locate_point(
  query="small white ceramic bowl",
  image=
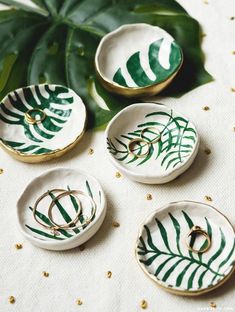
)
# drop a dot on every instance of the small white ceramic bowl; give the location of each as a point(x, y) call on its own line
point(137, 60)
point(168, 158)
point(162, 252)
point(60, 178)
point(40, 122)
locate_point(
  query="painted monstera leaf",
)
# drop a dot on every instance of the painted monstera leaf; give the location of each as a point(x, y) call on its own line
point(163, 254)
point(56, 43)
point(162, 72)
point(177, 142)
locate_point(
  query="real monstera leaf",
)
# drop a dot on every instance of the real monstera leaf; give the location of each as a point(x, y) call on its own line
point(56, 43)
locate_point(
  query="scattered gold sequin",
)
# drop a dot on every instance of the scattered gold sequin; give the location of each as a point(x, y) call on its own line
point(232, 18)
point(206, 108)
point(11, 299)
point(149, 197)
point(79, 302)
point(234, 129)
point(46, 274)
point(213, 305)
point(82, 247)
point(1, 171)
point(109, 274)
point(91, 151)
point(18, 246)
point(233, 89)
point(118, 175)
point(144, 304)
point(206, 2)
point(208, 198)
point(115, 224)
point(207, 151)
point(233, 52)
point(203, 35)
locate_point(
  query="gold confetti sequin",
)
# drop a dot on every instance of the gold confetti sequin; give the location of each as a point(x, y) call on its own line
point(234, 129)
point(207, 151)
point(79, 302)
point(233, 89)
point(233, 52)
point(213, 305)
point(109, 274)
point(208, 198)
point(18, 246)
point(118, 174)
point(11, 299)
point(203, 35)
point(206, 108)
point(206, 2)
point(46, 274)
point(115, 224)
point(144, 304)
point(91, 151)
point(1, 171)
point(149, 197)
point(232, 18)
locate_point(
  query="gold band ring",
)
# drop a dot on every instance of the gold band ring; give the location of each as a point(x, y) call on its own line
point(32, 120)
point(138, 140)
point(193, 232)
point(52, 227)
point(151, 141)
point(78, 215)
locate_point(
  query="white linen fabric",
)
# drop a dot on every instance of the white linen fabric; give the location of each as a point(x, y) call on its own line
point(82, 274)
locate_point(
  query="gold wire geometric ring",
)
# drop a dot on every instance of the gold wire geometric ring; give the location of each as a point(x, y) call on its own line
point(33, 121)
point(139, 140)
point(198, 230)
point(154, 140)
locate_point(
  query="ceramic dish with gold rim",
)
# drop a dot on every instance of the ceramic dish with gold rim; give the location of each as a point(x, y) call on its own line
point(40, 122)
point(137, 60)
point(151, 143)
point(163, 254)
point(64, 209)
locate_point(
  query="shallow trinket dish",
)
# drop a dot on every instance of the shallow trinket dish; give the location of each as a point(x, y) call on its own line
point(64, 209)
point(40, 122)
point(163, 254)
point(137, 60)
point(160, 161)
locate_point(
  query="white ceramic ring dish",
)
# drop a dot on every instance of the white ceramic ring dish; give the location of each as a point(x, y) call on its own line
point(162, 253)
point(137, 60)
point(64, 211)
point(41, 122)
point(167, 158)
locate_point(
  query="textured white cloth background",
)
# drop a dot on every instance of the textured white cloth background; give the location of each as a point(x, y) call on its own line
point(75, 274)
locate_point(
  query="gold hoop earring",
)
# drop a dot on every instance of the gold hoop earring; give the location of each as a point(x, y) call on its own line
point(138, 140)
point(198, 230)
point(32, 120)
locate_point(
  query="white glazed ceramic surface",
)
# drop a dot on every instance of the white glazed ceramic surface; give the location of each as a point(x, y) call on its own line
point(137, 56)
point(163, 255)
point(64, 123)
point(168, 158)
point(60, 178)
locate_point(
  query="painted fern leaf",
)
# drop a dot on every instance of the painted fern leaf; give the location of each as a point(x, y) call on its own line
point(177, 141)
point(160, 71)
point(170, 262)
point(56, 103)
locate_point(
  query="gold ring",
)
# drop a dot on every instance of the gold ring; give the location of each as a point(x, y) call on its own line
point(138, 140)
point(154, 140)
point(193, 232)
point(32, 120)
point(52, 227)
point(67, 225)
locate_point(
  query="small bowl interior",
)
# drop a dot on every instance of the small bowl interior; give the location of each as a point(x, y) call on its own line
point(64, 122)
point(171, 152)
point(65, 209)
point(138, 55)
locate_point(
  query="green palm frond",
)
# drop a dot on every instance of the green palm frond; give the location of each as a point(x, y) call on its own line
point(41, 98)
point(64, 233)
point(176, 144)
point(188, 269)
point(138, 74)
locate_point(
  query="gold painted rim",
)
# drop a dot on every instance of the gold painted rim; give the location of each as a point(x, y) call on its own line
point(176, 291)
point(149, 90)
point(33, 158)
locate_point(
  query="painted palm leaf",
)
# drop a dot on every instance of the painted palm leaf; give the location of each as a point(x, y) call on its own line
point(177, 141)
point(56, 102)
point(42, 233)
point(173, 265)
point(139, 76)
